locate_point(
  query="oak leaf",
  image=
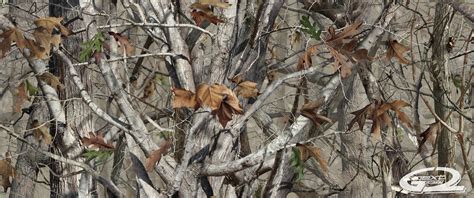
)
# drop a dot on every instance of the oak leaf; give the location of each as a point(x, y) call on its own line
point(247, 89)
point(396, 50)
point(155, 155)
point(97, 141)
point(51, 23)
point(35, 50)
point(220, 99)
point(212, 96)
point(377, 111)
point(41, 132)
point(8, 37)
point(306, 61)
point(184, 98)
point(200, 16)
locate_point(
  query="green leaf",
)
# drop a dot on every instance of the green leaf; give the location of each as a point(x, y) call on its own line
point(91, 46)
point(297, 164)
point(100, 155)
point(32, 90)
point(312, 30)
point(457, 80)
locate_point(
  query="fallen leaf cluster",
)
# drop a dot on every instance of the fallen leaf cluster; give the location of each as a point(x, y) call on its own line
point(378, 112)
point(217, 97)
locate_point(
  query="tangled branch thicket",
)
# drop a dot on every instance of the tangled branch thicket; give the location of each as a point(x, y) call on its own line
point(238, 98)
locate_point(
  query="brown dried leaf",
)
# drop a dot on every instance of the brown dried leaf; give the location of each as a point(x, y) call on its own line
point(305, 61)
point(398, 104)
point(97, 141)
point(124, 42)
point(360, 116)
point(397, 50)
point(8, 37)
point(43, 39)
point(211, 95)
point(340, 63)
point(200, 16)
point(429, 135)
point(247, 89)
point(6, 171)
point(21, 97)
point(50, 23)
point(184, 98)
point(51, 80)
point(310, 110)
point(403, 118)
point(155, 155)
point(315, 152)
point(376, 129)
point(149, 90)
point(220, 99)
point(35, 51)
point(41, 132)
point(348, 32)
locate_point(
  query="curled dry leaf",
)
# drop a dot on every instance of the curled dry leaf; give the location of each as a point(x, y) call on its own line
point(41, 132)
point(429, 135)
point(155, 155)
point(184, 98)
point(200, 16)
point(305, 61)
point(51, 80)
point(247, 89)
point(308, 151)
point(124, 42)
point(6, 171)
point(97, 141)
point(396, 50)
point(310, 109)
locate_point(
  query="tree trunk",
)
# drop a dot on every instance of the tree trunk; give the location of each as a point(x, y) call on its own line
point(439, 74)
